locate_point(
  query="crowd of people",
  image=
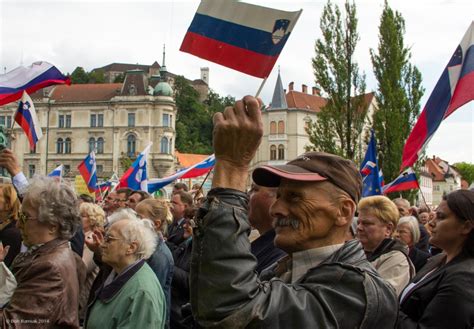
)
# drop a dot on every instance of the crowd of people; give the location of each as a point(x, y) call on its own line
point(299, 249)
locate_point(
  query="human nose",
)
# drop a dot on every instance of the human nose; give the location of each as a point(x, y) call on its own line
point(279, 209)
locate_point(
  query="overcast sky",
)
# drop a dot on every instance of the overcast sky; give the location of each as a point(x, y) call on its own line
point(93, 34)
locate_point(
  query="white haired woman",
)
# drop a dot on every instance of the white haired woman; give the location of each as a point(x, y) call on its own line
point(408, 231)
point(49, 273)
point(131, 295)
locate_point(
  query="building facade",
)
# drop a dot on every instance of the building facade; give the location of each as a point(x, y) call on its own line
point(445, 178)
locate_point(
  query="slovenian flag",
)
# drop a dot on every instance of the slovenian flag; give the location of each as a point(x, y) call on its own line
point(26, 118)
point(196, 170)
point(88, 170)
point(369, 170)
point(244, 37)
point(57, 172)
point(455, 88)
point(32, 78)
point(136, 176)
point(406, 181)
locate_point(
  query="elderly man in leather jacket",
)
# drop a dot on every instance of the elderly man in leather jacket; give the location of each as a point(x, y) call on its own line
point(325, 282)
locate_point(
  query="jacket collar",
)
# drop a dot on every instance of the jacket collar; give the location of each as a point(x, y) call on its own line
point(106, 293)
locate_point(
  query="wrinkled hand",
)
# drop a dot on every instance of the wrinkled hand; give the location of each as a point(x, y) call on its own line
point(9, 161)
point(94, 243)
point(3, 252)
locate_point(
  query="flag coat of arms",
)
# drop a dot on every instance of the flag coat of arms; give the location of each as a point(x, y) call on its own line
point(369, 169)
point(88, 170)
point(247, 38)
point(454, 88)
point(136, 177)
point(26, 118)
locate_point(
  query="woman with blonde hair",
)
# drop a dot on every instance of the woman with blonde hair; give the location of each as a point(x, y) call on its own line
point(9, 211)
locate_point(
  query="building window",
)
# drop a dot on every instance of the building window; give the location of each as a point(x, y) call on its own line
point(31, 170)
point(273, 152)
point(164, 145)
point(131, 119)
point(100, 145)
point(170, 146)
point(59, 146)
point(61, 121)
point(281, 127)
point(93, 120)
point(100, 120)
point(131, 145)
point(166, 120)
point(67, 145)
point(273, 128)
point(91, 144)
point(67, 169)
point(281, 152)
point(99, 168)
point(6, 121)
point(68, 121)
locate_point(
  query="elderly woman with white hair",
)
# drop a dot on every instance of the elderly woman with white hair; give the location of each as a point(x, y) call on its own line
point(408, 231)
point(131, 296)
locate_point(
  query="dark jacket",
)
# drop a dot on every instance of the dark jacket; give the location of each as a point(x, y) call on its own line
point(444, 299)
point(175, 235)
point(265, 251)
point(418, 258)
point(180, 283)
point(11, 236)
point(342, 292)
point(424, 242)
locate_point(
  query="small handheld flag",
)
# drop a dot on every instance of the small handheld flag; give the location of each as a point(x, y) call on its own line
point(369, 169)
point(25, 116)
point(405, 181)
point(244, 37)
point(57, 172)
point(136, 177)
point(88, 170)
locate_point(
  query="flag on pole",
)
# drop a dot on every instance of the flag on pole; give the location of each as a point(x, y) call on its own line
point(196, 170)
point(136, 177)
point(369, 170)
point(88, 170)
point(406, 181)
point(455, 88)
point(247, 38)
point(32, 78)
point(57, 172)
point(26, 118)
point(104, 187)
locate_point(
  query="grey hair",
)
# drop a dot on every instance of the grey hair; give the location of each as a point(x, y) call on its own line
point(413, 225)
point(124, 213)
point(56, 203)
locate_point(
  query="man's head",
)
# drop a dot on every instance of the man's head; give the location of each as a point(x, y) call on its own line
point(122, 196)
point(403, 206)
point(260, 200)
point(135, 198)
point(110, 205)
point(179, 203)
point(316, 199)
point(179, 187)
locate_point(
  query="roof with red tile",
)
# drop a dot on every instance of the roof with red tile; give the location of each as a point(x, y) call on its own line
point(86, 92)
point(189, 159)
point(301, 100)
point(435, 170)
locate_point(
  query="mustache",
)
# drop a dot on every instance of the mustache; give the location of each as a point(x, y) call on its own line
point(285, 221)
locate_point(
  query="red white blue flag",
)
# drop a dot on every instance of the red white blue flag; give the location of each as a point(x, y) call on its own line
point(32, 78)
point(369, 170)
point(57, 172)
point(196, 170)
point(455, 88)
point(136, 177)
point(405, 181)
point(244, 37)
point(26, 118)
point(88, 170)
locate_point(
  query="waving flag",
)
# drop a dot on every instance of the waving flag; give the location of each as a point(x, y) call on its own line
point(196, 170)
point(88, 171)
point(369, 169)
point(455, 88)
point(25, 116)
point(104, 187)
point(136, 176)
point(406, 181)
point(32, 78)
point(57, 172)
point(244, 37)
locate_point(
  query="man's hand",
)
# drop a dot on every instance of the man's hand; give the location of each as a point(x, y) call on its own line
point(237, 134)
point(9, 161)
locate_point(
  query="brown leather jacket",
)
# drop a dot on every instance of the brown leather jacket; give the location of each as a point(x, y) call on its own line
point(47, 295)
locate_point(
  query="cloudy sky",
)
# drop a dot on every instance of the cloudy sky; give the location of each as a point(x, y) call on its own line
point(96, 33)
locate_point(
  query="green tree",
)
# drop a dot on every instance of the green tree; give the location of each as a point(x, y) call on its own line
point(79, 76)
point(97, 76)
point(340, 122)
point(398, 94)
point(119, 78)
point(466, 170)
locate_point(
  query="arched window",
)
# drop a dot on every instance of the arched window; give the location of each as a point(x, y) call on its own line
point(281, 152)
point(100, 145)
point(273, 152)
point(67, 145)
point(281, 127)
point(131, 145)
point(91, 144)
point(59, 146)
point(273, 128)
point(164, 145)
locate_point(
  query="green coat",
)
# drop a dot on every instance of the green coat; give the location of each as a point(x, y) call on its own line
point(136, 301)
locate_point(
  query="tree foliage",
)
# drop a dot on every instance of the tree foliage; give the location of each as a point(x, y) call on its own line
point(194, 119)
point(80, 76)
point(340, 122)
point(398, 94)
point(466, 170)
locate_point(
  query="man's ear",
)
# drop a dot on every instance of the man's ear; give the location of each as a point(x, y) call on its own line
point(345, 212)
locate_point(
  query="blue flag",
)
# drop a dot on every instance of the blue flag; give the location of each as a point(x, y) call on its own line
point(369, 170)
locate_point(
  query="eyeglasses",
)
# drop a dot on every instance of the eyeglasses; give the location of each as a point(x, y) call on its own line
point(108, 238)
point(23, 218)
